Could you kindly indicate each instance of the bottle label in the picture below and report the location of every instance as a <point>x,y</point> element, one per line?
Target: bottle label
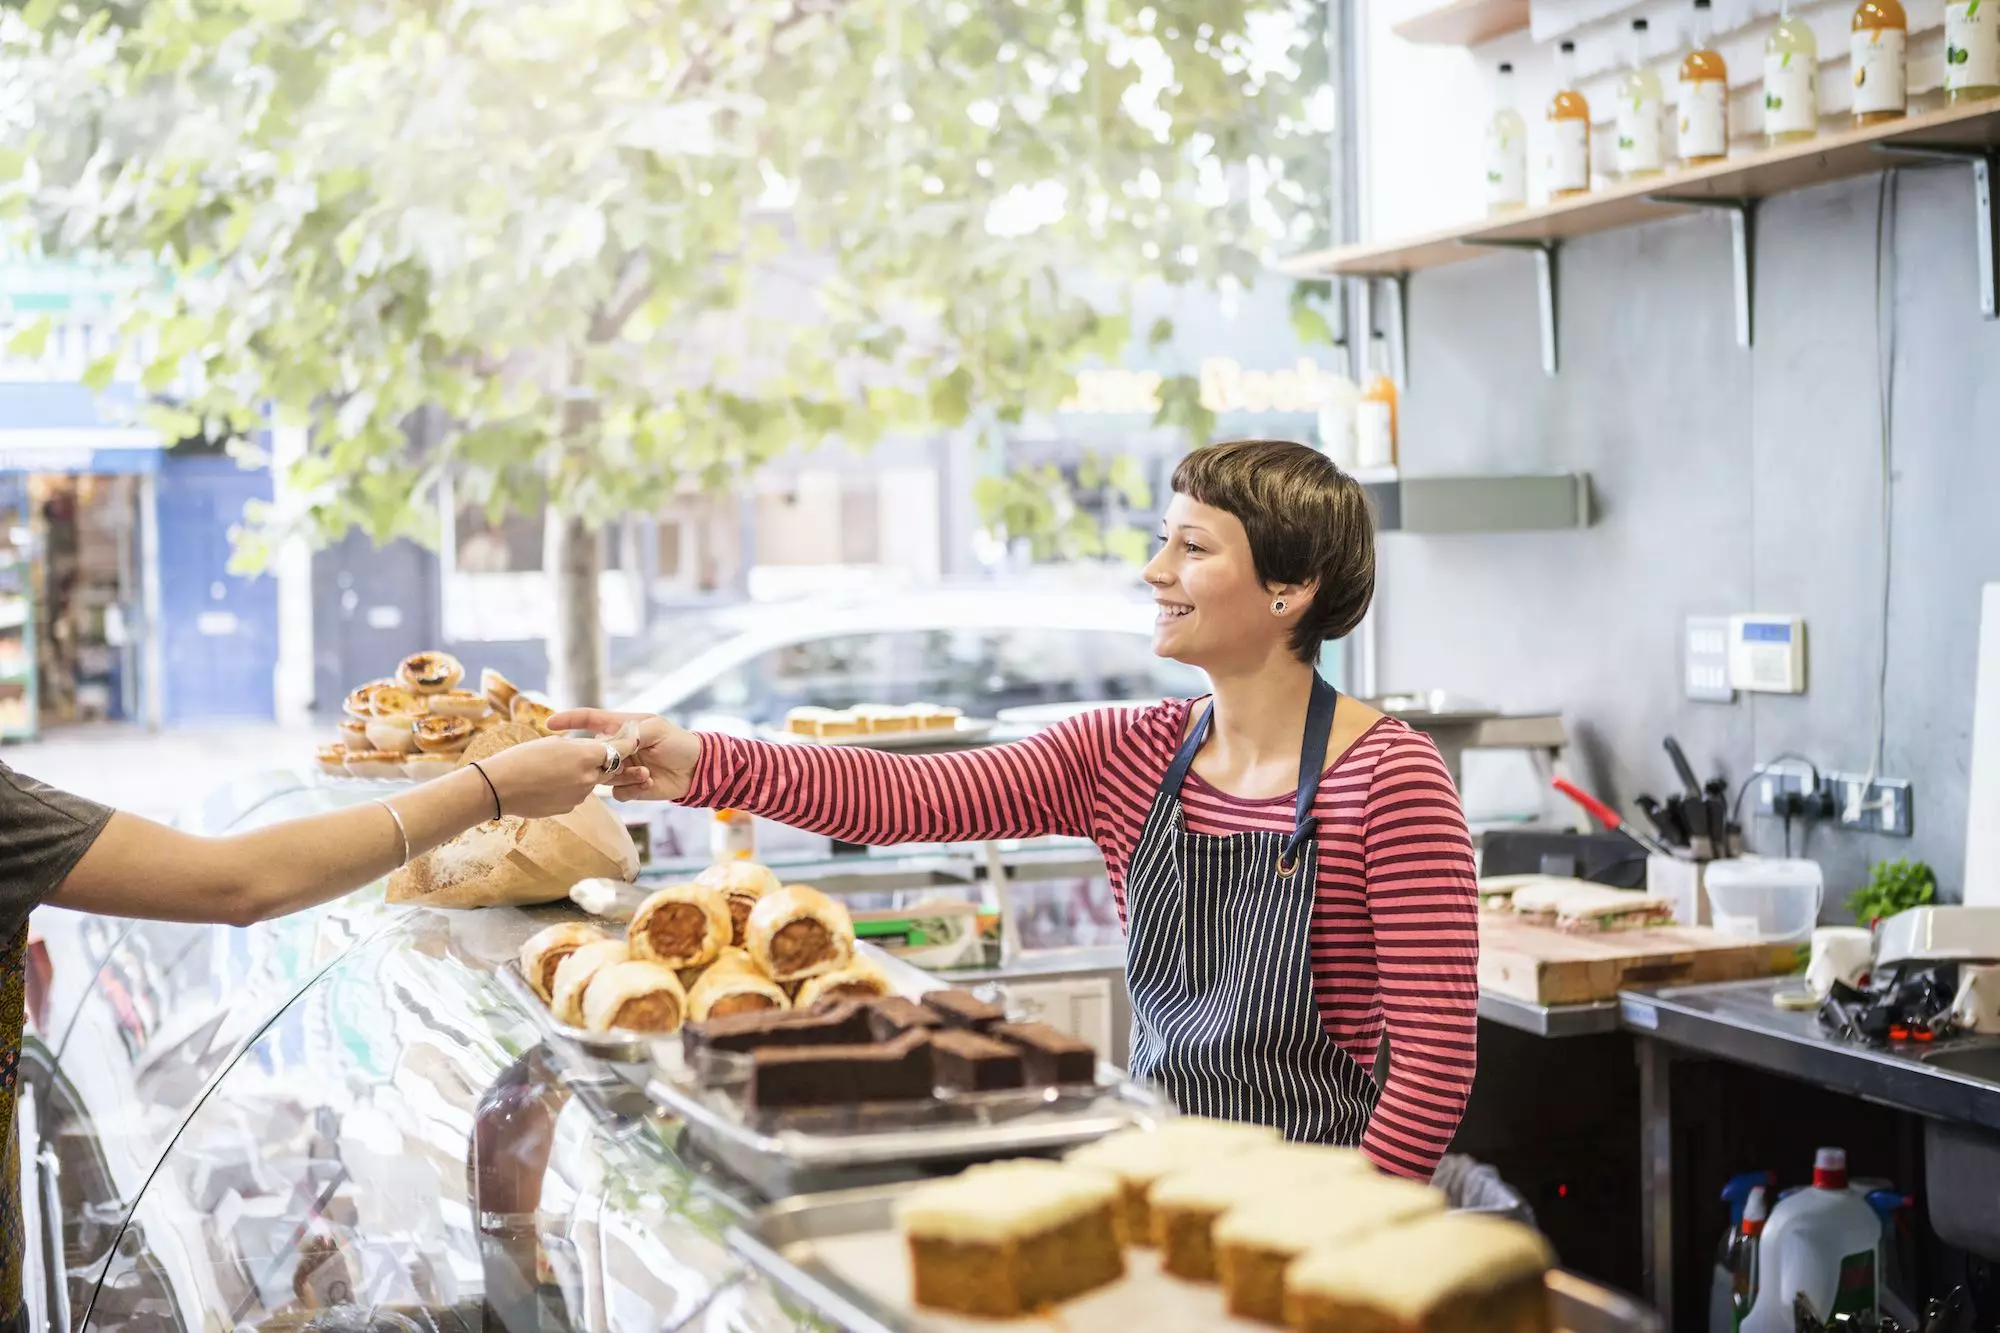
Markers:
<point>1507,166</point>
<point>1639,146</point>
<point>1704,118</point>
<point>1881,83</point>
<point>1971,45</point>
<point>1376,429</point>
<point>1791,92</point>
<point>1569,155</point>
<point>1856,1293</point>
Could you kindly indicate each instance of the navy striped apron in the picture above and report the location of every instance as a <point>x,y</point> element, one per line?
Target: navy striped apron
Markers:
<point>1218,960</point>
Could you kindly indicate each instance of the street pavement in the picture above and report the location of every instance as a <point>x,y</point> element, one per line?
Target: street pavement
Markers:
<point>159,774</point>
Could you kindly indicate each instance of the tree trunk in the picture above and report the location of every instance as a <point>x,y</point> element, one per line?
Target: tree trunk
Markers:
<point>574,555</point>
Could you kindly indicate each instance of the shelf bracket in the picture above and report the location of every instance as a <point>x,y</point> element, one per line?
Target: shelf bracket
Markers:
<point>1743,239</point>
<point>1545,274</point>
<point>1985,164</point>
<point>1399,332</point>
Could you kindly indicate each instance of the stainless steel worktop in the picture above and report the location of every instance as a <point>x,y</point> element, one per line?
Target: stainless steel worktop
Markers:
<point>1737,1021</point>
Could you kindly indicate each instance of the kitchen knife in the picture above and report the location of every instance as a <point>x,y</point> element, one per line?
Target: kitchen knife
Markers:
<point>1608,817</point>
<point>1689,782</point>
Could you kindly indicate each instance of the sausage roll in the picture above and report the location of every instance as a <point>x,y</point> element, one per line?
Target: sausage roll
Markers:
<point>742,883</point>
<point>799,932</point>
<point>733,985</point>
<point>577,972</point>
<point>546,949</point>
<point>861,979</point>
<point>683,925</point>
<point>638,995</point>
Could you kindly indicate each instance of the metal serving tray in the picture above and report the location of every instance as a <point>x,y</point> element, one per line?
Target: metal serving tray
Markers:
<point>840,1254</point>
<point>617,1047</point>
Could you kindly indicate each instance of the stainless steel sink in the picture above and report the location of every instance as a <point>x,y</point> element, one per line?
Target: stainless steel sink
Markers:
<point>1981,1062</point>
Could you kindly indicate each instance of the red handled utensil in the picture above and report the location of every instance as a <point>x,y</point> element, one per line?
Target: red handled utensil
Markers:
<point>1608,817</point>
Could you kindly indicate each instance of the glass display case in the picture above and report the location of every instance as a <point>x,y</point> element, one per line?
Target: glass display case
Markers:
<point>338,1120</point>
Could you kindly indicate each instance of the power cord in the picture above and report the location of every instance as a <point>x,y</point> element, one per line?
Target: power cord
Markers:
<point>1885,397</point>
<point>1816,802</point>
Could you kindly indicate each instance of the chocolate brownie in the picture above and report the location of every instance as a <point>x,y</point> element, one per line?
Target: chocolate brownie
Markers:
<point>839,1024</point>
<point>968,1062</point>
<point>892,1016</point>
<point>1050,1056</point>
<point>963,1009</point>
<point>898,1070</point>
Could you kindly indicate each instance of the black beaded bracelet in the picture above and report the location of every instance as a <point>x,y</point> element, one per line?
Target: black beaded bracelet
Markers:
<point>497,812</point>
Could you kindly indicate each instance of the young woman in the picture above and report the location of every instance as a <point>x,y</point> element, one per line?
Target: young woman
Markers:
<point>1292,867</point>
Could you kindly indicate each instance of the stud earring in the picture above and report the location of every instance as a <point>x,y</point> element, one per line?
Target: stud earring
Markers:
<point>1278,607</point>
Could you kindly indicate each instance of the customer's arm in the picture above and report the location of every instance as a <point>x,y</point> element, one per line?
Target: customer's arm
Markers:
<point>137,868</point>
<point>1044,785</point>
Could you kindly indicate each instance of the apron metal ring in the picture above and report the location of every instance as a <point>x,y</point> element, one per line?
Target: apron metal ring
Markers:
<point>1287,867</point>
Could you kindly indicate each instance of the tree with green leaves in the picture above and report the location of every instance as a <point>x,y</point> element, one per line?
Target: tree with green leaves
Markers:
<point>577,255</point>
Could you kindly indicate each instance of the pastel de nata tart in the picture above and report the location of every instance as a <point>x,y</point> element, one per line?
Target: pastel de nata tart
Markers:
<point>499,691</point>
<point>354,734</point>
<point>382,765</point>
<point>430,673</point>
<point>360,701</point>
<point>394,732</point>
<point>424,767</point>
<point>531,712</point>
<point>442,735</point>
<point>468,704</point>
<point>395,701</point>
<point>332,760</point>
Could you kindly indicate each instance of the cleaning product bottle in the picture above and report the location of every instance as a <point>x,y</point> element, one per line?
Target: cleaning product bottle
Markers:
<point>1721,1310</point>
<point>1824,1243</point>
<point>1744,1258</point>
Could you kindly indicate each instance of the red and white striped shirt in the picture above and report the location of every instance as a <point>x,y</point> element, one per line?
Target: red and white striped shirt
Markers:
<point>1395,932</point>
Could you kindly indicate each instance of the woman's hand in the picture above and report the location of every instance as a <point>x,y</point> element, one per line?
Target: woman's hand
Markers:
<point>661,767</point>
<point>551,777</point>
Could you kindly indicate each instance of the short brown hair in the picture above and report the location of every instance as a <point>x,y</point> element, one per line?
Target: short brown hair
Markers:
<point>1307,521</point>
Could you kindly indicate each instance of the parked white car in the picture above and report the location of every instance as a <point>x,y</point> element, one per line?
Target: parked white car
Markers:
<point>983,649</point>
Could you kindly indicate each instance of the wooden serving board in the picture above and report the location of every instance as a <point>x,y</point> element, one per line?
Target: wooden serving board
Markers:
<point>1544,966</point>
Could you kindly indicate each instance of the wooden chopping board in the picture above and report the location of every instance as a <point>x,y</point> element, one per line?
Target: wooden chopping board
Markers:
<point>1544,966</point>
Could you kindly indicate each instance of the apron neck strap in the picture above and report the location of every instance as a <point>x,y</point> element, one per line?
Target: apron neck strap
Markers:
<point>1312,757</point>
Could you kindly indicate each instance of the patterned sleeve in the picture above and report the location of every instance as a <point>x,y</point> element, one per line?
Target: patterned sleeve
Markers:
<point>1040,786</point>
<point>1423,904</point>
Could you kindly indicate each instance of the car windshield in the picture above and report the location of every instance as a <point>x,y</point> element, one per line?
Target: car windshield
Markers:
<point>980,671</point>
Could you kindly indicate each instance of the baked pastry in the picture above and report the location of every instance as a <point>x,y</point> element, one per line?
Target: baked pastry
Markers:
<point>468,704</point>
<point>381,765</point>
<point>733,985</point>
<point>838,722</point>
<point>354,734</point>
<point>1049,1055</point>
<point>491,742</point>
<point>395,732</point>
<point>967,1062</point>
<point>574,975</point>
<point>531,712</point>
<point>935,717</point>
<point>806,721</point>
<point>842,1024</point>
<point>545,950</point>
<point>1255,1243</point>
<point>892,1016</point>
<point>332,760</point>
<point>876,718</point>
<point>963,1009</point>
<point>1452,1273</point>
<point>360,699</point>
<point>1010,1238</point>
<point>424,767</point>
<point>861,979</point>
<point>638,995</point>
<point>1139,1157</point>
<point>783,1077</point>
<point>682,925</point>
<point>1185,1204</point>
<point>499,691</point>
<point>430,673</point>
<point>798,932</point>
<point>442,735</point>
<point>742,884</point>
<point>390,700</point>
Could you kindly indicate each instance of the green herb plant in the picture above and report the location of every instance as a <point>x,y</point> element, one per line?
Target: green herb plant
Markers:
<point>1892,887</point>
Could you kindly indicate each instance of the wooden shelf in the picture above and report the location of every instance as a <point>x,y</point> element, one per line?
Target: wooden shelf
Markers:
<point>1464,22</point>
<point>1755,175</point>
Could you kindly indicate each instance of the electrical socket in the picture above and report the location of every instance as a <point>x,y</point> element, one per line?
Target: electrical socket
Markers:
<point>1884,808</point>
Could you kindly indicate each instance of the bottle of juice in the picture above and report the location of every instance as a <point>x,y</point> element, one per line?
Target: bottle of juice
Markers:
<point>1375,421</point>
<point>1791,80</point>
<point>1569,131</point>
<point>1876,49</point>
<point>1640,103</point>
<point>1971,51</point>
<point>1704,94</point>
<point>1506,151</point>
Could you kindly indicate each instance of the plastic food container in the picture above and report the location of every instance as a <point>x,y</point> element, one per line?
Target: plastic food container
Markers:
<point>1765,898</point>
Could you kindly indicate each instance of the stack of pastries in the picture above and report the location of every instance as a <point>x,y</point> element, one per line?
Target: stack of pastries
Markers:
<point>420,723</point>
<point>1308,1238</point>
<point>840,724</point>
<point>732,941</point>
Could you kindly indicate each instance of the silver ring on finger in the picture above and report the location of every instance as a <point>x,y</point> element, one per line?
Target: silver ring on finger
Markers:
<point>613,761</point>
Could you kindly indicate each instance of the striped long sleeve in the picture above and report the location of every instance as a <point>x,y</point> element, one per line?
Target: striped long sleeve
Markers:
<point>1394,939</point>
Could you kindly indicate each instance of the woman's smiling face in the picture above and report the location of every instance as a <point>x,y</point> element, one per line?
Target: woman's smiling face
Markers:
<point>1213,609</point>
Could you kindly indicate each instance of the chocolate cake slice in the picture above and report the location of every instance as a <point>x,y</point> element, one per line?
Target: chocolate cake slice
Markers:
<point>838,1024</point>
<point>889,1071</point>
<point>892,1016</point>
<point>1048,1055</point>
<point>963,1009</point>
<point>968,1062</point>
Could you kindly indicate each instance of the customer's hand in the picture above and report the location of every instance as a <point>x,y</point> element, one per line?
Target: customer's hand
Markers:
<point>552,776</point>
<point>662,764</point>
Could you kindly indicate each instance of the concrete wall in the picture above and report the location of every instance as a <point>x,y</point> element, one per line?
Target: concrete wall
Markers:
<point>1728,481</point>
